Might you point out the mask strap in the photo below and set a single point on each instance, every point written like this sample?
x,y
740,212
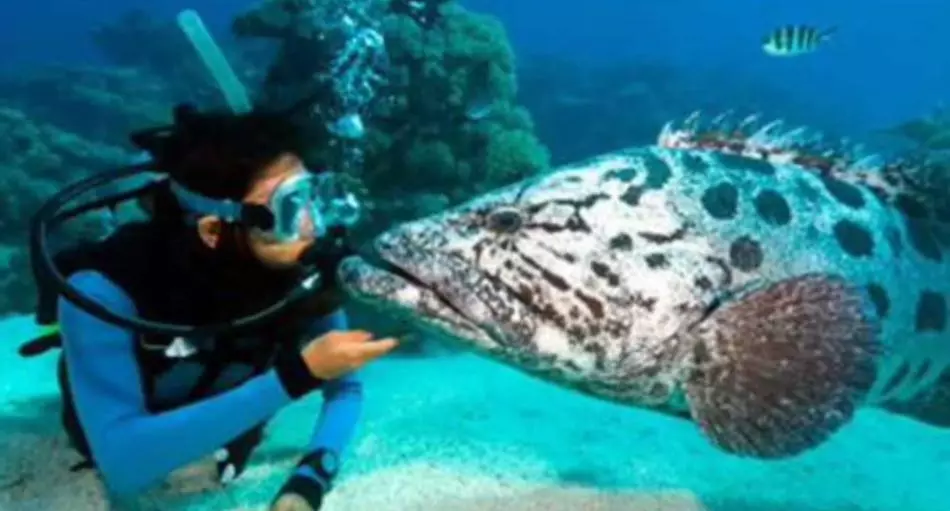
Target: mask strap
x,y
199,205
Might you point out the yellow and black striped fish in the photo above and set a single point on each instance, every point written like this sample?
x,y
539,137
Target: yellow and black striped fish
x,y
794,40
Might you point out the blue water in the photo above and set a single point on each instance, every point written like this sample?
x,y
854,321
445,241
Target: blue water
x,y
887,65
458,432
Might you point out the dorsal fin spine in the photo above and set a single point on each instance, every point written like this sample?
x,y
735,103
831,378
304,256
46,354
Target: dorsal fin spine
x,y
914,174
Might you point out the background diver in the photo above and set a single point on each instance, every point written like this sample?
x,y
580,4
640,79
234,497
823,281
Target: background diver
x,y
237,224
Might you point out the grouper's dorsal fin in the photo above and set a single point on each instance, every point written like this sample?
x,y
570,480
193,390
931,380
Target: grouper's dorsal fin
x,y
913,183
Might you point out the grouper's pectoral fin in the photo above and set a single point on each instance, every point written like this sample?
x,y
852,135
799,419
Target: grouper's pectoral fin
x,y
776,372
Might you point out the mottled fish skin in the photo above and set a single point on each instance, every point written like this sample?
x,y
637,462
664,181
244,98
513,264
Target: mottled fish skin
x,y
586,275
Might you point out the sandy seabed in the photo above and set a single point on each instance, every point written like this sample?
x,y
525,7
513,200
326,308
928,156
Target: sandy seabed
x,y
458,433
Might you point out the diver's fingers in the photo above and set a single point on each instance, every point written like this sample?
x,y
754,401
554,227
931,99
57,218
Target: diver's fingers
x,y
374,349
349,336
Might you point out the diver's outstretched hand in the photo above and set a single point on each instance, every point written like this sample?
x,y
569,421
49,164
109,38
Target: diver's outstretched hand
x,y
339,352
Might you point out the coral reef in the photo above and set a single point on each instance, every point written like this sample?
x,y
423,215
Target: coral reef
x,y
35,159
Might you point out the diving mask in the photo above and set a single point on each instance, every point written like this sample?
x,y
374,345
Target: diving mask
x,y
304,206
307,203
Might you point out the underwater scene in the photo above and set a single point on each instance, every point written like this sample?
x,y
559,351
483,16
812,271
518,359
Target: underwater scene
x,y
363,255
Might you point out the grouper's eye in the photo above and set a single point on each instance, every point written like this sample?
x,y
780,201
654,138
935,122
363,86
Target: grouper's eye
x,y
504,221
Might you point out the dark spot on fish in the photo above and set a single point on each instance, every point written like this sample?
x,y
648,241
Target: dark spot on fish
x,y
745,254
603,271
570,258
647,303
626,174
658,390
596,308
854,239
723,266
744,163
941,233
549,313
703,283
896,379
693,163
931,312
632,195
773,208
923,239
894,240
701,355
547,275
845,193
599,354
657,261
721,201
658,172
911,206
573,179
621,242
683,308
807,191
942,212
504,221
661,239
22,143
921,371
880,299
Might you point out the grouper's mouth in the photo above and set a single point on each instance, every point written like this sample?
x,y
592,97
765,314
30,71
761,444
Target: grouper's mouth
x,y
380,280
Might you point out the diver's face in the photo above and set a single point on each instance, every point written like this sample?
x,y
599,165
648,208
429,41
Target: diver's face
x,y
271,253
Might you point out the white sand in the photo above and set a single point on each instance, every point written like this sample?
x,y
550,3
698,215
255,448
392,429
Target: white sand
x,y
460,434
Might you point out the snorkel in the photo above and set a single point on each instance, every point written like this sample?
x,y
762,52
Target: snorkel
x,y
335,212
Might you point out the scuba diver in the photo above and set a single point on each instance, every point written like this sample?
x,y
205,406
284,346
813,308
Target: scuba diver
x,y
242,242
183,334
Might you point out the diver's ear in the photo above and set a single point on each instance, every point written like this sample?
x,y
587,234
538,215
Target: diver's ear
x,y
209,230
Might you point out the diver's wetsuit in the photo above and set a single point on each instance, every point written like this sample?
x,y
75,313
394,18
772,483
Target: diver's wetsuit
x,y
135,448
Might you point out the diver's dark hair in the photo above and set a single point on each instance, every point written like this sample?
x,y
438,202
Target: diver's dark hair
x,y
220,154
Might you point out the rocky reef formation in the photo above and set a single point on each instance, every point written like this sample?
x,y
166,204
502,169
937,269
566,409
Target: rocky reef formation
x,y
36,158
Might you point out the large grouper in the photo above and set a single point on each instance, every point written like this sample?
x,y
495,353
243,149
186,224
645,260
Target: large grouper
x,y
736,274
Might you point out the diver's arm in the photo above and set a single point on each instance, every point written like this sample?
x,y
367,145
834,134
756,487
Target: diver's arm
x,y
133,448
339,417
342,402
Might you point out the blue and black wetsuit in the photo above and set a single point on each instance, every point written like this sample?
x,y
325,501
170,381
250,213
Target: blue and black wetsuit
x,y
139,407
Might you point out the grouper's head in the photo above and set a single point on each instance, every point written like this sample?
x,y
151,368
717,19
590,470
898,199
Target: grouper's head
x,y
546,275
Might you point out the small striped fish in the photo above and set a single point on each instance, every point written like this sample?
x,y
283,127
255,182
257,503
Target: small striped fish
x,y
795,40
